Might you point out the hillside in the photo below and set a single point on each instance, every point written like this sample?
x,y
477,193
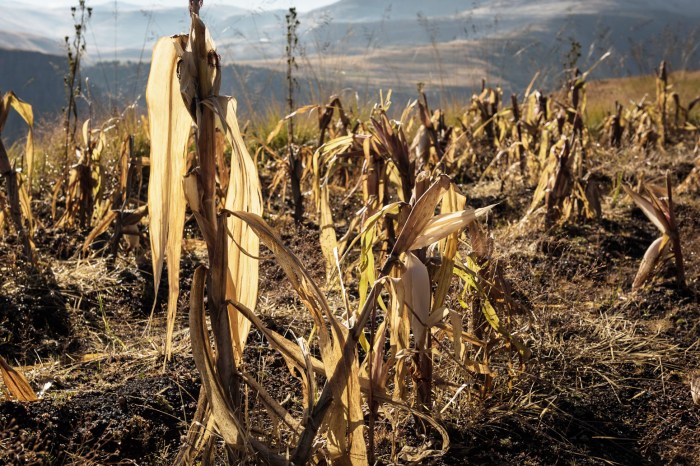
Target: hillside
x,y
36,78
536,34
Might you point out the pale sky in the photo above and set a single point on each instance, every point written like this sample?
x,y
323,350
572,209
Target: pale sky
x,y
302,5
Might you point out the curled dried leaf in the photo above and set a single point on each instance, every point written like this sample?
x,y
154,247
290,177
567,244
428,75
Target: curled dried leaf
x,y
442,225
651,258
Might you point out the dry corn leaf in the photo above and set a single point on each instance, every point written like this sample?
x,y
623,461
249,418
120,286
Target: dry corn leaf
x,y
25,202
651,258
399,335
329,240
380,369
287,348
417,297
453,201
275,131
442,225
15,382
169,125
367,268
100,228
652,211
421,214
10,100
465,337
243,195
308,380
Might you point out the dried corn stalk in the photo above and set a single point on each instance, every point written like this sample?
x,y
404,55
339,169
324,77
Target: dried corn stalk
x,y
18,197
84,181
125,210
411,303
661,213
24,110
662,88
169,124
566,188
182,93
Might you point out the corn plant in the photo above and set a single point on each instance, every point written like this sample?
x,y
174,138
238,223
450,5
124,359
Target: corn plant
x,y
85,182
517,138
649,124
325,118
387,170
413,307
410,303
484,110
614,127
661,213
17,204
432,138
682,115
644,130
523,133
124,210
565,189
182,91
662,92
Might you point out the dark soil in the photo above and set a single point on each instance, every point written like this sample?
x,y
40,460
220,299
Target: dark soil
x,y
141,420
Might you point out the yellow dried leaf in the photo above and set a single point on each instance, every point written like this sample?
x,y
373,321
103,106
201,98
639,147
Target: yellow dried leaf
x,y
651,258
243,195
399,335
275,131
329,240
169,125
652,212
420,215
10,100
417,284
440,226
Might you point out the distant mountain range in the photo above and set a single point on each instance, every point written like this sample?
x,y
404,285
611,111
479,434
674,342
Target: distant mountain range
x,y
128,31
449,45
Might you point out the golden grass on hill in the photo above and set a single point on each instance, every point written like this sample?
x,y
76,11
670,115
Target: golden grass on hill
x,y
602,94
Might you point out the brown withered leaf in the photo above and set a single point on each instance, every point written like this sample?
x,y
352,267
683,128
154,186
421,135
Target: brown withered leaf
x,y
15,382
